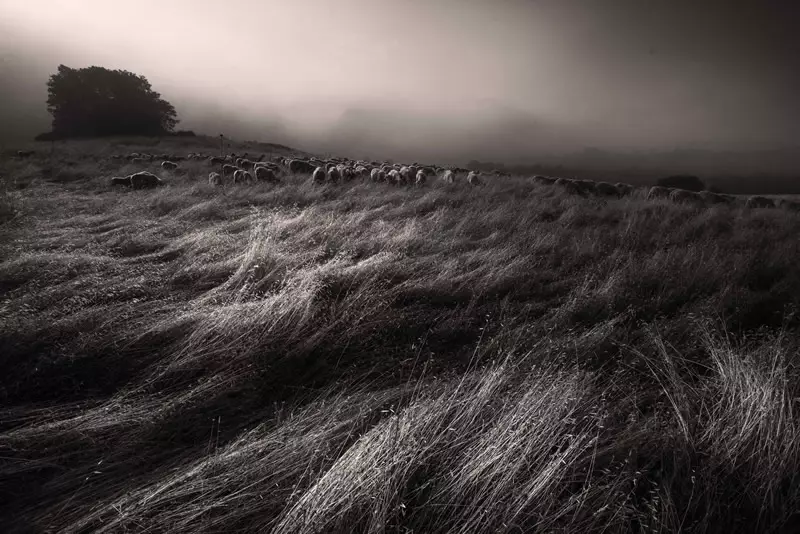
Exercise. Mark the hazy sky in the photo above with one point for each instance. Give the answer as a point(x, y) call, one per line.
point(506, 77)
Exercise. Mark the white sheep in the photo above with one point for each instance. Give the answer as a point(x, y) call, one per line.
point(449, 176)
point(421, 178)
point(473, 178)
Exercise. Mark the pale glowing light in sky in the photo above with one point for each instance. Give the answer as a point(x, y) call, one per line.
point(576, 72)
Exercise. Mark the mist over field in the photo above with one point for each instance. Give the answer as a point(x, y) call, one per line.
point(441, 79)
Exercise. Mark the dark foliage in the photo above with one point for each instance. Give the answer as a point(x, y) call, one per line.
point(97, 102)
point(682, 181)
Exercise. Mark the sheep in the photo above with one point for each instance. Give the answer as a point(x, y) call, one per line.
point(682, 196)
point(145, 180)
point(298, 166)
point(214, 178)
point(586, 186)
point(375, 175)
point(473, 178)
point(624, 189)
point(228, 170)
point(544, 180)
point(713, 198)
point(168, 165)
point(421, 178)
point(248, 177)
point(247, 164)
point(334, 175)
point(118, 180)
point(319, 175)
point(658, 191)
point(759, 202)
point(238, 162)
point(238, 176)
point(393, 177)
point(567, 185)
point(216, 160)
point(138, 160)
point(791, 205)
point(605, 189)
point(449, 176)
point(265, 174)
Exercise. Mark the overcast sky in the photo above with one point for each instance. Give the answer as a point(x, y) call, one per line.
point(506, 77)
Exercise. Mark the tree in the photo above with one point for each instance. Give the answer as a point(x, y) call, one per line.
point(682, 181)
point(96, 102)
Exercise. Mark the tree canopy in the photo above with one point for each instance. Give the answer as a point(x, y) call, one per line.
point(96, 102)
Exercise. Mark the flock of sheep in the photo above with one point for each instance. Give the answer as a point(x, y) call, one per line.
point(235, 169)
point(676, 195)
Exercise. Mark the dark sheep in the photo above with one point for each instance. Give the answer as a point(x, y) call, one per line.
point(605, 189)
point(264, 174)
point(544, 180)
point(681, 196)
point(624, 189)
point(168, 165)
point(228, 170)
point(145, 180)
point(121, 180)
point(759, 202)
point(714, 198)
point(299, 166)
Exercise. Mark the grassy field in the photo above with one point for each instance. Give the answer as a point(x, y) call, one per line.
point(367, 358)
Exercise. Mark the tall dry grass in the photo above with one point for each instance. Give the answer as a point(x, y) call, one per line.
point(362, 358)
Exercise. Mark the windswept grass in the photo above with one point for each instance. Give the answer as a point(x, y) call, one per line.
point(362, 358)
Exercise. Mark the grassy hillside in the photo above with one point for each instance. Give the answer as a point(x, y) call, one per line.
point(367, 358)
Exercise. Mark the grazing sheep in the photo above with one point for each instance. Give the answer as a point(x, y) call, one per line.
point(605, 189)
point(334, 175)
point(145, 180)
point(624, 189)
point(119, 180)
point(248, 177)
point(586, 186)
point(567, 185)
point(214, 178)
point(713, 198)
point(216, 160)
point(247, 164)
point(787, 204)
point(346, 172)
point(658, 191)
point(228, 170)
point(759, 202)
point(298, 166)
point(544, 180)
point(421, 178)
point(449, 176)
point(682, 196)
point(375, 175)
point(238, 176)
point(319, 175)
point(265, 174)
point(473, 178)
point(393, 177)
point(168, 165)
